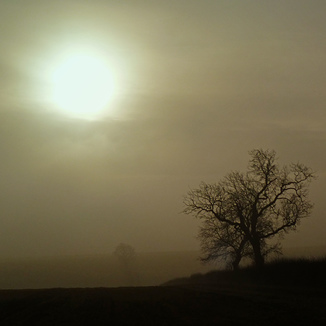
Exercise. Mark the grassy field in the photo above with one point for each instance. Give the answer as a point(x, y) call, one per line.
point(286, 293)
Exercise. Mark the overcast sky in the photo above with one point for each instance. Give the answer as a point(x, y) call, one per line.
point(196, 85)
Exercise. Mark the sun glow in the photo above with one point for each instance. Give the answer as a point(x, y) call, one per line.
point(82, 86)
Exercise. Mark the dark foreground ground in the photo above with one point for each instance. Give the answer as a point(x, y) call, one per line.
point(212, 299)
point(163, 306)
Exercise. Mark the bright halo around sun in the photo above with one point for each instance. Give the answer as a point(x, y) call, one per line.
point(81, 86)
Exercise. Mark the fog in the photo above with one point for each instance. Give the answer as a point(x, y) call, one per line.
point(198, 85)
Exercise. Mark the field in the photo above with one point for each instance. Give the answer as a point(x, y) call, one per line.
point(286, 293)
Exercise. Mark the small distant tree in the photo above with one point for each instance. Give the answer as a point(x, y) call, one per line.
point(125, 254)
point(244, 211)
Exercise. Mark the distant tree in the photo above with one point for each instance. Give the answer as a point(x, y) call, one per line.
point(244, 211)
point(125, 254)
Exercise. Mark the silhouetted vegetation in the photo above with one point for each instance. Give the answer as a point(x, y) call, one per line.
point(298, 273)
point(244, 211)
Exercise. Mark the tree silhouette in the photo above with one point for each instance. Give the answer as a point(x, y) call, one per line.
point(125, 255)
point(222, 241)
point(244, 211)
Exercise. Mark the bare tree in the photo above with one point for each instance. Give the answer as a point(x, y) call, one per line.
point(244, 211)
point(125, 254)
point(222, 241)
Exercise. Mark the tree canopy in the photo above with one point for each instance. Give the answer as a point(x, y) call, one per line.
point(243, 212)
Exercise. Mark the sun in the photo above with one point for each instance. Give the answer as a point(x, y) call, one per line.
point(81, 85)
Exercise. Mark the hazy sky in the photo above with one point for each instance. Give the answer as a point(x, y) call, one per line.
point(195, 86)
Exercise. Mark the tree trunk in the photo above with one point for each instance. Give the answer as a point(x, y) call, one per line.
point(236, 262)
point(239, 254)
point(258, 257)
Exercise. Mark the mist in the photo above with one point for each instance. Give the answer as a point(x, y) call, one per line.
point(198, 85)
